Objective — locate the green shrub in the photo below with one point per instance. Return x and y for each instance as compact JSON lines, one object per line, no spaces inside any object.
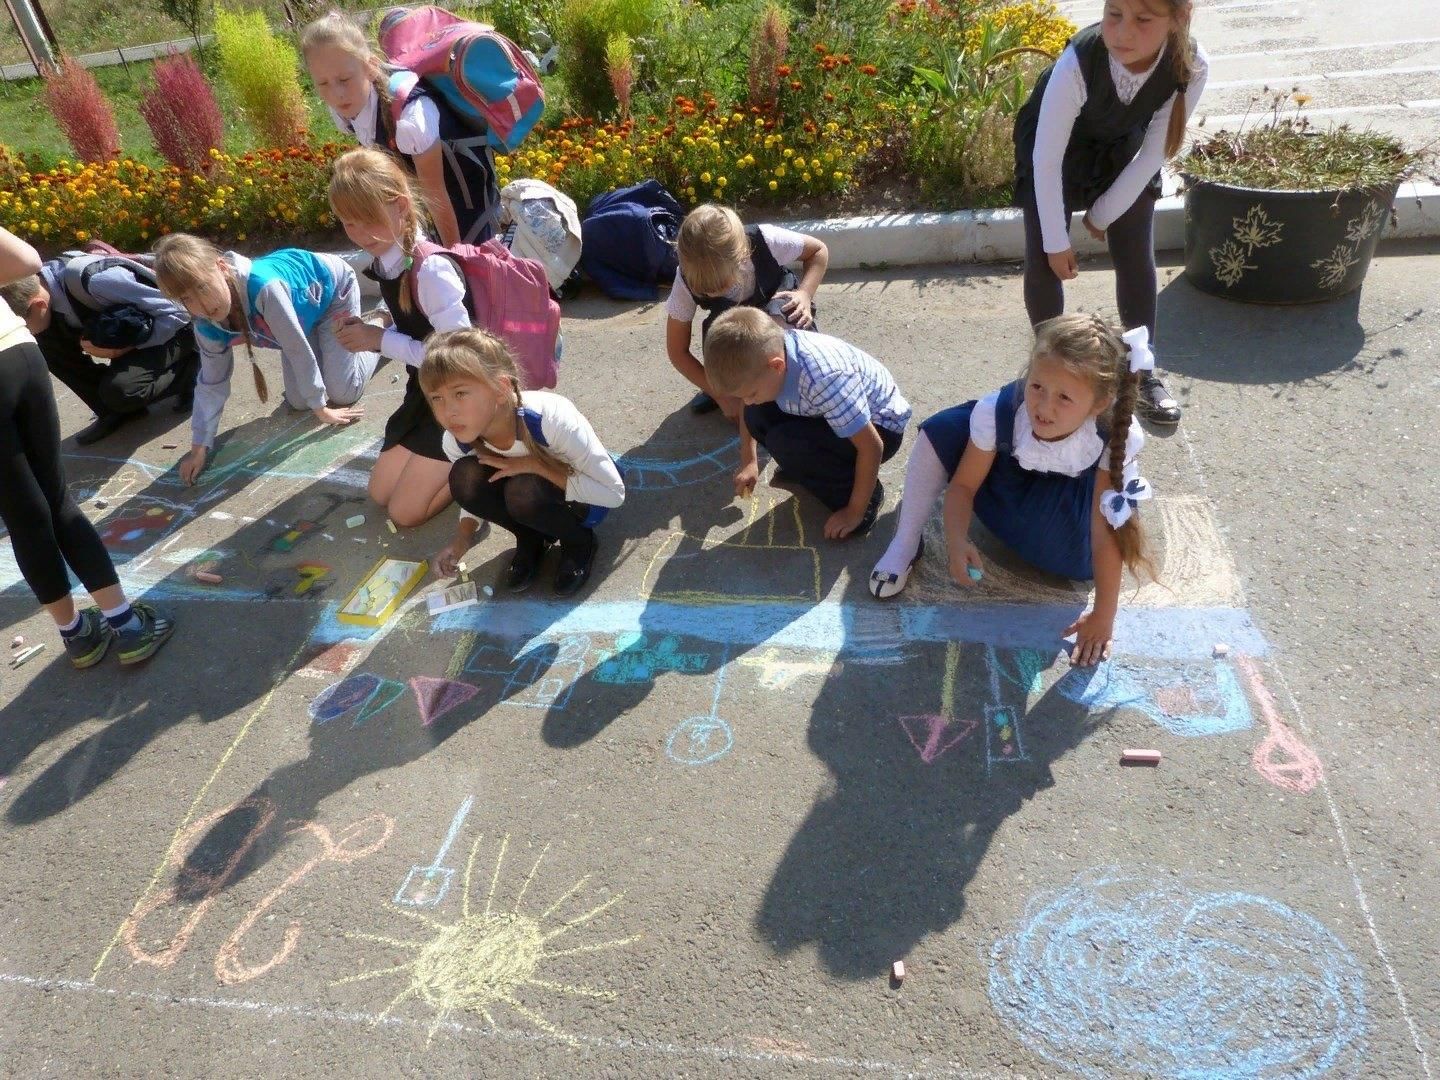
{"x":586,"y":27}
{"x":262,"y":72}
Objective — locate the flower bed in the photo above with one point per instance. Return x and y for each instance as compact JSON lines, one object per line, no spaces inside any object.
{"x":924,"y":92}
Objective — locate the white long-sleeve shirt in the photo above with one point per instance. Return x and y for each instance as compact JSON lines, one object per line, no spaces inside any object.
{"x":415,"y":131}
{"x":440,"y":295}
{"x":1065,"y":96}
{"x":556,"y":424}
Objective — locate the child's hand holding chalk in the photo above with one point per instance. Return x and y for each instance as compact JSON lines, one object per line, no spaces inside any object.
{"x":965,"y":566}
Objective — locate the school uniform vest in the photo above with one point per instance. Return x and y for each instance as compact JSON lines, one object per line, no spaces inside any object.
{"x":1107,"y":133}
{"x":770,"y":278}
{"x":308,"y":280}
{"x":469,"y":165}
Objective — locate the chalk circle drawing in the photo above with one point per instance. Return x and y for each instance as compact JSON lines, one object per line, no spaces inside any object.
{"x":1120,"y":976}
{"x":490,"y":956}
{"x":643,"y":473}
{"x":1190,"y":700}
{"x":701,"y":740}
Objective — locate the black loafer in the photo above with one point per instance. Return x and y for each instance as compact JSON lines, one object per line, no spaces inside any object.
{"x":524,"y":566}
{"x":1155,"y":403}
{"x":574,"y":569}
{"x":105,"y":425}
{"x":872,"y":510}
{"x":703,"y":403}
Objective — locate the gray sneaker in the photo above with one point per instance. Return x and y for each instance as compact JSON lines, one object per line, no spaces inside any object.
{"x":89,"y":644}
{"x":143,"y":641}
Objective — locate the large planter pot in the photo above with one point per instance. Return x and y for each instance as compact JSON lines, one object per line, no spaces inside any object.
{"x":1281,"y":247}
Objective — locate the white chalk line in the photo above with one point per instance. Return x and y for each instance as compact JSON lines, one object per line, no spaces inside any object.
{"x":602,"y":1042}
{"x":1335,"y":818}
{"x":1262,"y":115}
{"x":1310,"y":50}
{"x":1324,"y":77}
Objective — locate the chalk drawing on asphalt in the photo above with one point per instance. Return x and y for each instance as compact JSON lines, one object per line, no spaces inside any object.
{"x":491,"y":956}
{"x":648,"y":472}
{"x":1119,"y":975}
{"x":932,"y":734}
{"x":701,"y":740}
{"x":426,"y":886}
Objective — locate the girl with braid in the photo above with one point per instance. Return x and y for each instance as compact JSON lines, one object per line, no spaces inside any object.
{"x":1093,"y":135}
{"x":372,"y":197}
{"x":1048,"y":464}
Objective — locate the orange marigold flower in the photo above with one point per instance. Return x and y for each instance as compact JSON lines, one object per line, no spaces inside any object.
{"x":782,"y":70}
{"x":869,"y":69}
{"x":820,"y":48}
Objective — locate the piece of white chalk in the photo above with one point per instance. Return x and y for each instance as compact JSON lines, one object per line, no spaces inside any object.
{"x":25,"y":654}
{"x":1140,"y":757}
{"x":390,"y":525}
{"x":355,"y":522}
{"x":394,"y":378}
{"x":1221,"y":650}
{"x":17,"y":641}
{"x":897,"y":971}
{"x":489,"y":591}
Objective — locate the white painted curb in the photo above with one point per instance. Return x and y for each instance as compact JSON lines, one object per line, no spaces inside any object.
{"x":858,"y":243}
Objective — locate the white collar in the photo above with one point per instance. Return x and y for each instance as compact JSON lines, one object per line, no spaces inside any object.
{"x":392,"y":263}
{"x":1128,"y":83}
{"x":363,"y":126}
{"x":1071,"y":455}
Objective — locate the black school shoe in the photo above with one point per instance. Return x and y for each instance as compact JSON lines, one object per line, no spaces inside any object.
{"x":703,"y":403}
{"x":106,"y":424}
{"x":525,"y":565}
{"x":1155,"y":404}
{"x":872,"y":510}
{"x":574,"y":569}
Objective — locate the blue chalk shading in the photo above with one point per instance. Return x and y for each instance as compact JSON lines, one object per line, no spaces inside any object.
{"x":1158,"y":633}
{"x":639,"y":660}
{"x":1116,"y":975}
{"x":1116,"y":684}
{"x":643,"y":473}
{"x":370,"y":694}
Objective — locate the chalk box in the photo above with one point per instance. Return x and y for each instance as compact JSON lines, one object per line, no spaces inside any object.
{"x":381,"y":592}
{"x":455,"y":596}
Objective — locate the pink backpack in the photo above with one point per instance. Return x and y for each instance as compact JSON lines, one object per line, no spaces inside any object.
{"x":511,"y":298}
{"x":483,"y":75}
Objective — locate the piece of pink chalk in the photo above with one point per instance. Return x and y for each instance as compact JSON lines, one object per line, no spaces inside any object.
{"x":208,"y":578}
{"x":17,"y":641}
{"x":1140,"y":757}
{"x":897,"y":971}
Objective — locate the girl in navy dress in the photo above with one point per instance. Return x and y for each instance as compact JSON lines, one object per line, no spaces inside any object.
{"x":1097,"y":128}
{"x":1048,"y":464}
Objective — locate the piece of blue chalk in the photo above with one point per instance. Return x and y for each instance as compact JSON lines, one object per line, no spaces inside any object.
{"x":975,"y":573}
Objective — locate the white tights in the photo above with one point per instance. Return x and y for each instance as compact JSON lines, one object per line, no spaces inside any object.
{"x":925,"y":481}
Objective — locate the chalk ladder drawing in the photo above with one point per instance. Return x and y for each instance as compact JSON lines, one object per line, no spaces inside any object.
{"x":701,"y":740}
{"x":490,"y":957}
{"x":426,"y":886}
{"x":934,"y":733}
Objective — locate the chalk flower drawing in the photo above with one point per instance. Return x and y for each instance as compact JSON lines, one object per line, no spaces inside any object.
{"x":1256,"y":230}
{"x":490,"y":957}
{"x":1359,"y":229}
{"x":1335,"y":265}
{"x":1229,"y":260}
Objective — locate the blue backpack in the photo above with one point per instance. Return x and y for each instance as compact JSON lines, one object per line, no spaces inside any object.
{"x":628,"y":240}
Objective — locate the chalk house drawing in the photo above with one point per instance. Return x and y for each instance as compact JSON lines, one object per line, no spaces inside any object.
{"x":490,"y":956}
{"x":1116,"y":975}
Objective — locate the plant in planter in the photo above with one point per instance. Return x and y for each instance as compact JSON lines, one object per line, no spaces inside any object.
{"x":1283,"y":213}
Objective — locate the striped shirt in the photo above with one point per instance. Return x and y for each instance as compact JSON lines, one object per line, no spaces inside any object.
{"x":846,"y":386}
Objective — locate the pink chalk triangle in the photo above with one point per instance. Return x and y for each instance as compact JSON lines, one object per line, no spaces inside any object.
{"x":932,"y":735}
{"x":435,"y":697}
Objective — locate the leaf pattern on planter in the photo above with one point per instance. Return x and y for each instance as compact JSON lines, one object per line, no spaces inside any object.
{"x":1334,"y":266}
{"x":1256,"y":229}
{"x":1229,"y":260}
{"x":1360,"y":228}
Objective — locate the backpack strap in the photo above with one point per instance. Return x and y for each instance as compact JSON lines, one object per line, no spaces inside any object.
{"x":1006,"y":405}
{"x":422,"y":250}
{"x":80,"y":267}
{"x":769,"y":274}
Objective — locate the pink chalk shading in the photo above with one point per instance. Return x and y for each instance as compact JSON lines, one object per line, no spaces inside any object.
{"x":435,"y":697}
{"x":1178,"y":700}
{"x":932,"y":735}
{"x":1281,"y":757}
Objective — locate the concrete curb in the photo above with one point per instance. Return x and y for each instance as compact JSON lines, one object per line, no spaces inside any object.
{"x":999,"y":235}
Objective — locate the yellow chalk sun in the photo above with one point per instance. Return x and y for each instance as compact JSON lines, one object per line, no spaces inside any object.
{"x":490,"y":957}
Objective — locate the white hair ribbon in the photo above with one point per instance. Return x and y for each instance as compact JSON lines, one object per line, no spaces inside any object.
{"x":1117,"y":506}
{"x":1138,"y":341}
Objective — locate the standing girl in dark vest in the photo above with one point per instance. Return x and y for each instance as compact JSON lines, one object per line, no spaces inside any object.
{"x":452,"y":162}
{"x":375,"y":204}
{"x":1093,"y":135}
{"x":724,"y":263}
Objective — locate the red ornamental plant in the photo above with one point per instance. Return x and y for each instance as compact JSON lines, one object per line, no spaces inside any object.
{"x":82,"y":111}
{"x":769,"y":43}
{"x":620,"y":67}
{"x":182,"y":114}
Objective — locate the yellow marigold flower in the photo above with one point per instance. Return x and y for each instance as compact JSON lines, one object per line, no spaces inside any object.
{"x":737,"y":118}
{"x":805,"y":176}
{"x":838,"y":175}
{"x":80,"y":234}
{"x":721,"y":181}
{"x":705,"y":177}
{"x":717,"y":193}
{"x":789,"y":152}
{"x":773,"y":185}
{"x":779,"y":170}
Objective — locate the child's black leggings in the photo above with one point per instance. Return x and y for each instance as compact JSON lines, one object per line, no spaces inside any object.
{"x":47,"y":529}
{"x":529,"y":506}
{"x":1131,"y":240}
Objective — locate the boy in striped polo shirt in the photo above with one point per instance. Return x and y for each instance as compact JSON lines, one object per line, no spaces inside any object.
{"x":828,"y":413}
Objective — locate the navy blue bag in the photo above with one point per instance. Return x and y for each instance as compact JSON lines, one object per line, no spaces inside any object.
{"x":628,"y":240}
